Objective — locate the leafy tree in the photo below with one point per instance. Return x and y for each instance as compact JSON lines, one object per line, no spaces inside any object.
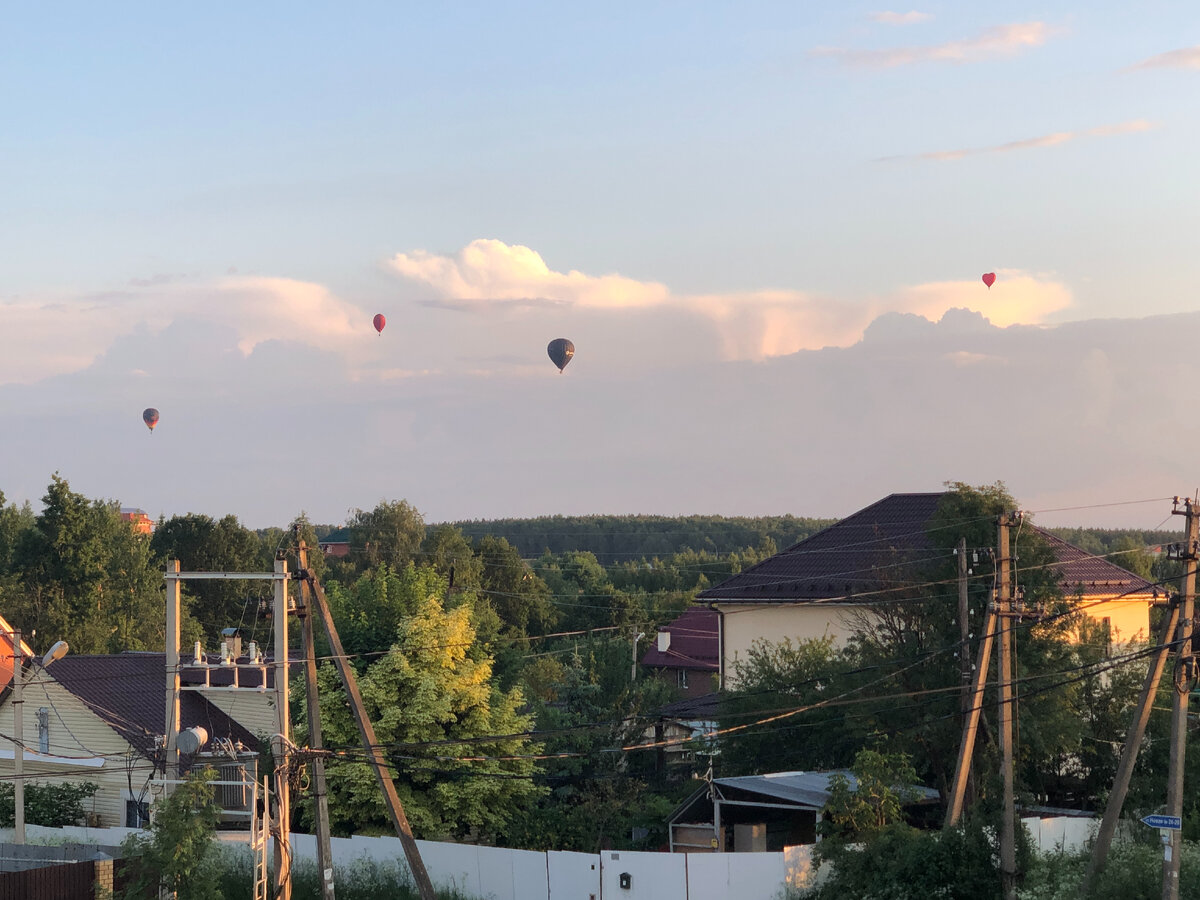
{"x":369,"y":612}
{"x":179,"y":852}
{"x":426,"y":695}
{"x":519,"y":596}
{"x":390,"y":533}
{"x":883,"y":784}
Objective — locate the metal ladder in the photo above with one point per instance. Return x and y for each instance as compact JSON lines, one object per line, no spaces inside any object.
{"x":260,"y":826}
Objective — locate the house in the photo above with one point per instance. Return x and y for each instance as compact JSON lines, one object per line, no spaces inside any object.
{"x":757,"y":813}
{"x":687,"y":652}
{"x":819,"y":586}
{"x":137,"y":519}
{"x":102,"y":719}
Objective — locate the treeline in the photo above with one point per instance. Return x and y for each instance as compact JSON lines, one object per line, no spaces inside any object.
{"x":615,"y":538}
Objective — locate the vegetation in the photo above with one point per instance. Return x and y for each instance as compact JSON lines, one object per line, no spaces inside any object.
{"x":52,"y":805}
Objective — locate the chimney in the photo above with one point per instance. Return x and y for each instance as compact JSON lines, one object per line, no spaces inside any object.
{"x":664,"y":641}
{"x":233,"y":639}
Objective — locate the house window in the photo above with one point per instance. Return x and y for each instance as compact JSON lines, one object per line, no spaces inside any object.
{"x":43,"y":722}
{"x":137,"y":814}
{"x":682,"y":678}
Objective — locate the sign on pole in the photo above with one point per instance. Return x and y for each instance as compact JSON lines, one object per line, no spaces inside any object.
{"x":1167,"y":823}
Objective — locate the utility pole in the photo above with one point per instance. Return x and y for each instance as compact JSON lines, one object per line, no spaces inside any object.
{"x":282,"y":742}
{"x":320,"y":796}
{"x":366,"y":730}
{"x":964,"y":627}
{"x":637,"y":636}
{"x":171,"y":717}
{"x":18,"y":743}
{"x":1184,"y":677}
{"x":966,"y":747}
{"x":1129,"y":754}
{"x":1008,"y":837}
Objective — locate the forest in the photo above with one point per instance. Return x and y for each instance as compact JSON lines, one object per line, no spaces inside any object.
{"x":495,"y":658}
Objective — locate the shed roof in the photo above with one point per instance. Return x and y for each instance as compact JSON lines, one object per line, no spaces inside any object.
{"x":884,"y":541}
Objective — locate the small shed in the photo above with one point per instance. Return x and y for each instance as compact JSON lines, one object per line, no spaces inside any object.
{"x":756,"y":813}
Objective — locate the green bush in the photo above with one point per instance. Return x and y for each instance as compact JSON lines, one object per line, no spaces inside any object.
{"x":52,"y":805}
{"x":1134,"y":872}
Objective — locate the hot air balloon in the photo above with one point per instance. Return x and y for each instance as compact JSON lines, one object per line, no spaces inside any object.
{"x":379,"y":322}
{"x":989,"y":279}
{"x":560,"y":350}
{"x":150,"y":417}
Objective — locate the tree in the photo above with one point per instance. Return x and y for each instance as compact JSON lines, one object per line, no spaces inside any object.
{"x":53,"y":805}
{"x":179,"y":853}
{"x":883,"y":784}
{"x":452,"y":735}
{"x":390,"y":533}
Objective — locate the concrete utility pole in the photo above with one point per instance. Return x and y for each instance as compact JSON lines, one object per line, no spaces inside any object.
{"x":282,"y":742}
{"x":1008,"y":837}
{"x":637,"y":636}
{"x":171,"y":719}
{"x":320,"y":796}
{"x":1129,"y":754}
{"x":18,"y":743}
{"x":1184,"y":677}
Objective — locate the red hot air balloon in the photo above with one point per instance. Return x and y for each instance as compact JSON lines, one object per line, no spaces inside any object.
{"x":379,"y":322}
{"x":989,"y":279}
{"x":150,"y":417}
{"x":560,"y":351}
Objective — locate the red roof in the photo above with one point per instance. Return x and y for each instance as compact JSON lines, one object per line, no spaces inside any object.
{"x":694,"y":642}
{"x":888,"y":538}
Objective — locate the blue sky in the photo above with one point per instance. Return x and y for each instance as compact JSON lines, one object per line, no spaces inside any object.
{"x":198,"y":202}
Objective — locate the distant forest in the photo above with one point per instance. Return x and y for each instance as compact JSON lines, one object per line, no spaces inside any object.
{"x":614,"y":539}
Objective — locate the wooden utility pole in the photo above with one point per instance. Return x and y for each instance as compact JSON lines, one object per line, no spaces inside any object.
{"x":171,"y":718}
{"x":964,"y":627}
{"x":282,"y":742}
{"x":320,"y":796}
{"x":1008,"y":837}
{"x":966,"y":747}
{"x":374,"y":752}
{"x":1184,"y":676}
{"x":1129,"y":754}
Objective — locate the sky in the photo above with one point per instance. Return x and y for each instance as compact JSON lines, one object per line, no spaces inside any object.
{"x":763,"y":225}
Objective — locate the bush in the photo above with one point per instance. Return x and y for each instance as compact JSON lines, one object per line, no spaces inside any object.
{"x":52,"y":805}
{"x":1134,"y":872}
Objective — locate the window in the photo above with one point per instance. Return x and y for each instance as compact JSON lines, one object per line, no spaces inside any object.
{"x":682,"y":677}
{"x":43,"y":720}
{"x":137,"y":814}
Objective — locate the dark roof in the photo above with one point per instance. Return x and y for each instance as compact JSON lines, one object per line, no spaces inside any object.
{"x":882,"y":544}
{"x":694,"y":642}
{"x":128,"y":691}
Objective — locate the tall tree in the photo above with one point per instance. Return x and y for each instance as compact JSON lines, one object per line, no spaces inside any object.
{"x":390,"y":533}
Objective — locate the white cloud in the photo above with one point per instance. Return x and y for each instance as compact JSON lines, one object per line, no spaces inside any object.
{"x":997,"y":42}
{"x":895,"y":18}
{"x":1046,"y":140}
{"x":1183,"y":58}
{"x":490,"y":275}
{"x":47,"y":337}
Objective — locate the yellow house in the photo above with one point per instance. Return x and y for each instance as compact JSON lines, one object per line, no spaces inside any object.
{"x":102,"y":719}
{"x":821,"y":586}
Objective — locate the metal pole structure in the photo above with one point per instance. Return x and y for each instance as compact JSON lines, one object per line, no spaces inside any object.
{"x":320,"y":795}
{"x":1129,"y":754}
{"x":1183,"y":677}
{"x":637,"y":636}
{"x":171,"y":717}
{"x":366,"y":730}
{"x":18,"y":743}
{"x":283,"y":739}
{"x":971,"y":726}
{"x":1008,"y":836}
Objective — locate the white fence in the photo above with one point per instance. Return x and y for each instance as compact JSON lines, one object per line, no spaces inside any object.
{"x":496,"y":873}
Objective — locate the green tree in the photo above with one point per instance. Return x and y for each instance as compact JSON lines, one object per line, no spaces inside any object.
{"x":431,"y":702}
{"x":179,"y":853}
{"x":390,"y":533}
{"x":53,"y":805}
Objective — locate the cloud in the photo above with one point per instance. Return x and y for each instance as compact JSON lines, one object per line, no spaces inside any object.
{"x":54,"y":336}
{"x":489,"y":276}
{"x":487,"y":271}
{"x":997,"y":42}
{"x":1046,"y":140}
{"x":1184,"y":58}
{"x":895,"y":18}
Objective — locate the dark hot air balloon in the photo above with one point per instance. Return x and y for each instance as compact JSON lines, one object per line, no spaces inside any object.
{"x":150,"y":417}
{"x":560,"y":350}
{"x":989,"y":279}
{"x":379,"y":322}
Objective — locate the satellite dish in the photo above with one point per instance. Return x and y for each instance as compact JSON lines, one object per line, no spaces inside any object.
{"x":57,"y":652}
